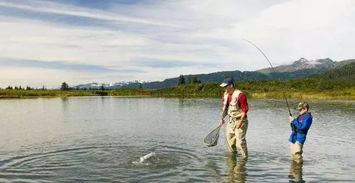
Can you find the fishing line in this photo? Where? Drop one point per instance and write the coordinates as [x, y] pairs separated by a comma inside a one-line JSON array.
[[273, 70]]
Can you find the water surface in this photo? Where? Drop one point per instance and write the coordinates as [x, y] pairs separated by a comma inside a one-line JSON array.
[[96, 139]]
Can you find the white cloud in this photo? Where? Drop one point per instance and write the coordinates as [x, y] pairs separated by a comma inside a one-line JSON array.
[[47, 42], [57, 8], [207, 34], [311, 29]]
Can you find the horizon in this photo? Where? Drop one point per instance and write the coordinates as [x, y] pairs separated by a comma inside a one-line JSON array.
[[142, 81], [45, 43]]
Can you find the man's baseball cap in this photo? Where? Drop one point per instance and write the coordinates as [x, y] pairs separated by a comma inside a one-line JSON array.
[[302, 105], [226, 82]]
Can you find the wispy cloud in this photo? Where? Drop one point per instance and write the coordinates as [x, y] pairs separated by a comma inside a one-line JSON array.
[[156, 63], [158, 39], [56, 8], [60, 65]]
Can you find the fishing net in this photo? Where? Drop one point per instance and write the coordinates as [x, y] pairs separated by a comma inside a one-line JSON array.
[[212, 138]]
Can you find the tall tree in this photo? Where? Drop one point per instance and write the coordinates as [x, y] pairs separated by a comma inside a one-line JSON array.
[[102, 87], [64, 86], [181, 80], [193, 80]]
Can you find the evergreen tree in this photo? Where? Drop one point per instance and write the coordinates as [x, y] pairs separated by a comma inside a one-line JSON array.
[[181, 80], [193, 80], [64, 86]]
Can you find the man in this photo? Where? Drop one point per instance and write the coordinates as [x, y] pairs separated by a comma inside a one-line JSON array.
[[300, 127], [235, 105]]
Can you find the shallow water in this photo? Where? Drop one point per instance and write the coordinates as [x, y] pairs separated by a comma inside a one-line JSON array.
[[97, 139]]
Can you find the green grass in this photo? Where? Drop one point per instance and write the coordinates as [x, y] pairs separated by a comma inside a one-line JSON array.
[[302, 88], [44, 93]]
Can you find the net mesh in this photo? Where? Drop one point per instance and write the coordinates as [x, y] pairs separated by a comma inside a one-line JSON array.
[[212, 138]]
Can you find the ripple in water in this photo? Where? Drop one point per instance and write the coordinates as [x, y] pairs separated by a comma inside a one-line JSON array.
[[98, 163]]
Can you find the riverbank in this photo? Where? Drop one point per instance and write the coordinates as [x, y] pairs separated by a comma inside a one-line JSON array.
[[68, 93], [258, 91], [266, 89]]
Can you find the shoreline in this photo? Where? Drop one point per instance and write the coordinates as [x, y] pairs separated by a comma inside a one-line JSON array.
[[292, 95], [298, 89]]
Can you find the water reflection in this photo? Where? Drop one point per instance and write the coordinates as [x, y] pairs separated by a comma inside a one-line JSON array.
[[295, 173], [213, 170], [65, 103], [236, 169]]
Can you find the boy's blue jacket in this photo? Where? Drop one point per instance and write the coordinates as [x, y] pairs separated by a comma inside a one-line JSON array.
[[300, 126]]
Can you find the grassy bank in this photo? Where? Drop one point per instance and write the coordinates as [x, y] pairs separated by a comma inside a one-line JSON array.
[[270, 89], [265, 90], [44, 93], [66, 93]]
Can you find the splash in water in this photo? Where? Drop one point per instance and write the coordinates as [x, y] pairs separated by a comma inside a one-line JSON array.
[[144, 158]]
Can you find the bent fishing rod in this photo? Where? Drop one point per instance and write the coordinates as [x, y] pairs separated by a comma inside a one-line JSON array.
[[273, 70]]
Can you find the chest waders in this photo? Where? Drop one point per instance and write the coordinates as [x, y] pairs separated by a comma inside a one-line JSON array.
[[235, 137]]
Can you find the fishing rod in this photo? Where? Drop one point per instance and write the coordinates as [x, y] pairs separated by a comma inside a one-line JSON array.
[[273, 70]]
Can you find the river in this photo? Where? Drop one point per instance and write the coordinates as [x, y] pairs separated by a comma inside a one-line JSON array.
[[98, 139]]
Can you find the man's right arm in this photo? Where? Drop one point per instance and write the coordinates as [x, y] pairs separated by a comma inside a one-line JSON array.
[[224, 112], [223, 115]]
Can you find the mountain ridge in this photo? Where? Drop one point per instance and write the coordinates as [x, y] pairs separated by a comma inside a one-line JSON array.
[[299, 68]]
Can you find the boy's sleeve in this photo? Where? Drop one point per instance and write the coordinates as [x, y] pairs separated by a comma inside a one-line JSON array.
[[305, 124]]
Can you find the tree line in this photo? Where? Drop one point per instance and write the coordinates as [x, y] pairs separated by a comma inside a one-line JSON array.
[[23, 88], [191, 80]]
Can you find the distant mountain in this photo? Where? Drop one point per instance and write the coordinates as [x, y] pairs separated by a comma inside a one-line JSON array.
[[298, 68], [341, 73], [91, 86], [344, 62], [106, 86], [318, 65]]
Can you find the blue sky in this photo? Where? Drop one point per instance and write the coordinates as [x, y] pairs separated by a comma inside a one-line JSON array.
[[82, 41]]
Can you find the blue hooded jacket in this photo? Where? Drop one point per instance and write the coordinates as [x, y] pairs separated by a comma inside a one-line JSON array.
[[300, 126]]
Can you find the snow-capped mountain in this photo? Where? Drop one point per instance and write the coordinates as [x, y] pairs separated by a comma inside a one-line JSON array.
[[299, 68], [302, 64], [95, 85]]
